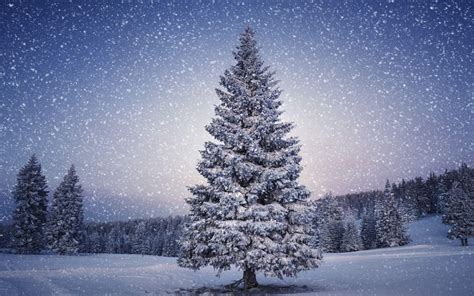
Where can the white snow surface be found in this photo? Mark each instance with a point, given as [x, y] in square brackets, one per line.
[430, 265]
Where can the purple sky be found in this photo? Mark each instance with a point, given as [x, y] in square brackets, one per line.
[377, 90]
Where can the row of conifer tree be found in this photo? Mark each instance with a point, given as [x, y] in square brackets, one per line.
[37, 226]
[60, 227]
[383, 217]
[154, 236]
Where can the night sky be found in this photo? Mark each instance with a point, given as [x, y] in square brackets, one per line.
[377, 90]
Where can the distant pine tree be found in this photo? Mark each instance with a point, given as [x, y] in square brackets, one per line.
[408, 209]
[460, 214]
[421, 193]
[66, 223]
[335, 227]
[141, 243]
[318, 224]
[442, 193]
[431, 186]
[351, 239]
[113, 244]
[368, 234]
[390, 231]
[30, 214]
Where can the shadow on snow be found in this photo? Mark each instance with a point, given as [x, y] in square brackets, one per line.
[260, 290]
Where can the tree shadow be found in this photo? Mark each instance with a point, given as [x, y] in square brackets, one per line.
[260, 290]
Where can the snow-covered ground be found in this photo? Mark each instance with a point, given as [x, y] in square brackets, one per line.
[430, 265]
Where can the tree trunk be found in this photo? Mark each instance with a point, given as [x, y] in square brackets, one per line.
[250, 279]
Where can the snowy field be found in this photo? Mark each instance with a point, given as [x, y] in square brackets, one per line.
[430, 265]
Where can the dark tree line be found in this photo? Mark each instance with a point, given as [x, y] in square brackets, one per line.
[383, 216]
[155, 236]
[415, 197]
[381, 226]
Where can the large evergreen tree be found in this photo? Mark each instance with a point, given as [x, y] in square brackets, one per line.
[65, 231]
[30, 214]
[252, 213]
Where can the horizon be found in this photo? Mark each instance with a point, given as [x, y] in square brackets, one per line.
[92, 216]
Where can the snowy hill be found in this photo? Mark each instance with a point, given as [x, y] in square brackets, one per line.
[429, 265]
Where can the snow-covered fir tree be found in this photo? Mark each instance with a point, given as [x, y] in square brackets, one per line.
[442, 193]
[95, 243]
[408, 209]
[174, 232]
[334, 229]
[460, 214]
[389, 228]
[319, 225]
[351, 238]
[29, 217]
[420, 192]
[141, 243]
[379, 204]
[252, 213]
[114, 241]
[65, 227]
[161, 237]
[430, 189]
[367, 231]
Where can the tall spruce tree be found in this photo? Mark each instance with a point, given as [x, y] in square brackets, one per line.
[252, 213]
[65, 231]
[460, 214]
[30, 214]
